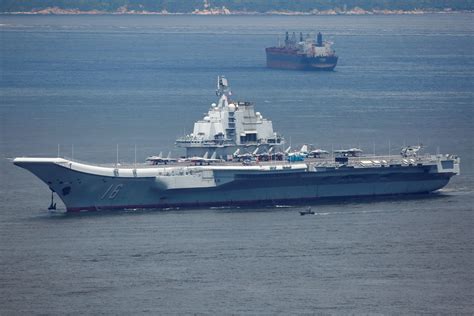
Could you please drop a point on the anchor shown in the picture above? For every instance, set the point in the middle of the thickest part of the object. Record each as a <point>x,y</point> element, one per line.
<point>52,206</point>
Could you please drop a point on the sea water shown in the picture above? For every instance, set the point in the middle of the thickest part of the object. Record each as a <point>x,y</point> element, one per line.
<point>79,86</point>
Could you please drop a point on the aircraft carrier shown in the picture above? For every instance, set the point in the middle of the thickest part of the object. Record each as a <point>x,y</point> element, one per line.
<point>305,54</point>
<point>288,177</point>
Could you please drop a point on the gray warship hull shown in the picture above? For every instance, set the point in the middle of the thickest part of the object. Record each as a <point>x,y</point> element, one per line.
<point>90,187</point>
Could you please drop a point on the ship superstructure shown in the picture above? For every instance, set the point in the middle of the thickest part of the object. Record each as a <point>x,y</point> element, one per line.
<point>229,126</point>
<point>305,54</point>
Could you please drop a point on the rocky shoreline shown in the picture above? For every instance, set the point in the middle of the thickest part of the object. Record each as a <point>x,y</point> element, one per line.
<point>225,11</point>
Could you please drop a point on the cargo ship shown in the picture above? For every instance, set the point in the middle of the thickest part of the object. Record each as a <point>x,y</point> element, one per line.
<point>305,54</point>
<point>203,181</point>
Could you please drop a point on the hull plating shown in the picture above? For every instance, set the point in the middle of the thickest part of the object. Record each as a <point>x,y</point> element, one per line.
<point>85,191</point>
<point>299,62</point>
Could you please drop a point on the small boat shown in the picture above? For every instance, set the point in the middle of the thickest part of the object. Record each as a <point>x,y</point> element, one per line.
<point>308,211</point>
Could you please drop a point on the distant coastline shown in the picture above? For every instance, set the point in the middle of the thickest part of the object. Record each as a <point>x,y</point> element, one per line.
<point>225,11</point>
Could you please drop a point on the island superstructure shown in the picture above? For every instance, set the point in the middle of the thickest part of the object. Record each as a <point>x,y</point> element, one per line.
<point>305,54</point>
<point>198,182</point>
<point>229,126</point>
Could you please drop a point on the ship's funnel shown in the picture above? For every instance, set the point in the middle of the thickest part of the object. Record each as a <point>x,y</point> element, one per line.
<point>319,40</point>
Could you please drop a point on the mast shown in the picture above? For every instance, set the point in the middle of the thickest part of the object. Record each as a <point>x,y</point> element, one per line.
<point>223,91</point>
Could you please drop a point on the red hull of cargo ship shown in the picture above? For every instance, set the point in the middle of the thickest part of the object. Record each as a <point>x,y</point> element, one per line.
<point>282,58</point>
